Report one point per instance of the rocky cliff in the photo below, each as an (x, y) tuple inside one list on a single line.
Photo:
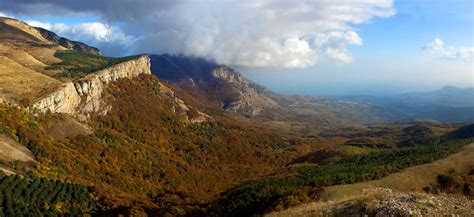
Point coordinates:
[(219, 83), (83, 97), (181, 108), (249, 98)]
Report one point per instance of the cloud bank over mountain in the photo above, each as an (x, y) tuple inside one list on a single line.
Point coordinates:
[(109, 38), (260, 33)]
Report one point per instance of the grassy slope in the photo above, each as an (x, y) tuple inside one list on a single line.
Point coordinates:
[(23, 55), (21, 84), (410, 179)]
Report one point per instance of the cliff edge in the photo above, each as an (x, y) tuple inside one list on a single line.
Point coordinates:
[(83, 97)]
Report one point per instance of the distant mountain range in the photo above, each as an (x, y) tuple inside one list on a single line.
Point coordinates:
[(448, 104), (226, 88), (229, 89)]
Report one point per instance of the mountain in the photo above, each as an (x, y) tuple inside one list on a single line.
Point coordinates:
[(218, 83), (123, 137), (449, 96), (24, 53), (448, 104), (226, 88), (75, 45)]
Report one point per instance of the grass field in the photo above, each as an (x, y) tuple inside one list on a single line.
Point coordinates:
[(22, 85)]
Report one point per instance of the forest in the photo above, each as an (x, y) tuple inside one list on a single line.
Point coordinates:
[(142, 157), (77, 64), (20, 196), (258, 197)]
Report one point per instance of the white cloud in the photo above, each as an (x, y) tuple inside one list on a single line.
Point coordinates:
[(262, 33), (335, 44), (292, 52), (92, 33), (259, 33), (438, 49), (2, 14), (35, 23), (436, 45)]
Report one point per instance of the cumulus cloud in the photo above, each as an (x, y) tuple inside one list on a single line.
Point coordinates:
[(94, 33), (438, 49), (335, 44), (259, 33)]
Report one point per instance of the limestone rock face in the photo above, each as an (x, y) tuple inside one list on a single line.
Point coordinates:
[(250, 98), (219, 83), (180, 107), (84, 96), (64, 100)]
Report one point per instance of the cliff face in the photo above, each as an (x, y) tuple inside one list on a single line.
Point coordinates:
[(249, 98), (219, 83), (84, 96), (181, 108)]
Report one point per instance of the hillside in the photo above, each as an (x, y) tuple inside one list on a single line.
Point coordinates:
[(90, 135), (357, 197), (74, 45), (23, 55), (223, 87), (219, 83)]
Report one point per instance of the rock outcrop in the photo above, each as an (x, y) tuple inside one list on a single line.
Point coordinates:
[(386, 202), (250, 98), (83, 97), (180, 107), (220, 83)]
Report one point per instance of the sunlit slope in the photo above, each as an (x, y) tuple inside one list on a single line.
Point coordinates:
[(24, 53), (20, 84)]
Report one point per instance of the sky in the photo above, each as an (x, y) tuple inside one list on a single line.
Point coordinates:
[(315, 47)]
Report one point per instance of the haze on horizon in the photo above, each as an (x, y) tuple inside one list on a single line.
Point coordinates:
[(301, 47)]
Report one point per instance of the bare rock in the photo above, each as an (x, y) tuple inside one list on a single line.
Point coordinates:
[(83, 97)]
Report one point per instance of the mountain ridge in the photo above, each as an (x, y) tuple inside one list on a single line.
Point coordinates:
[(74, 45)]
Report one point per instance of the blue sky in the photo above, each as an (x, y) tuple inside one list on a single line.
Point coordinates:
[(392, 59), (310, 47)]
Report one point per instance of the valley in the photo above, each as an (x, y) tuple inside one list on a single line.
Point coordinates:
[(174, 135)]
